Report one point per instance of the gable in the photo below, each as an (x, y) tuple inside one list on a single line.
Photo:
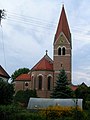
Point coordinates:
[(46, 63), (61, 40), (3, 73)]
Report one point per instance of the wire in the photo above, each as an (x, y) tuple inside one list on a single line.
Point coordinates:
[(31, 18), (3, 48), (31, 23), (77, 29), (37, 30), (39, 23), (36, 22)]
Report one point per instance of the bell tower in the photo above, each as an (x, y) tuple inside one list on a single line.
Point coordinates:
[(62, 47)]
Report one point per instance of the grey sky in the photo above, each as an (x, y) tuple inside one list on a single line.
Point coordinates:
[(29, 30)]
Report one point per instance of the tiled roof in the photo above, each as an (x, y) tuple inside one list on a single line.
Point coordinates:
[(3, 73), (45, 63), (63, 26), (74, 87), (24, 77)]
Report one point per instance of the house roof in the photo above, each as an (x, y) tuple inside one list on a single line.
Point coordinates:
[(46, 63), (63, 26), (74, 87), (24, 77), (84, 85), (3, 73)]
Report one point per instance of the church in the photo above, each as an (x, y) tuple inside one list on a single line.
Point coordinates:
[(43, 75)]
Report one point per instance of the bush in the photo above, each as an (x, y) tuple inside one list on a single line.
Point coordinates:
[(58, 113), (87, 105), (6, 93), (7, 112), (22, 97), (12, 112)]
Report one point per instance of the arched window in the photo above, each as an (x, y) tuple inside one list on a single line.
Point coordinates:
[(49, 83), (34, 82), (40, 82), (63, 51), (59, 51), (26, 84)]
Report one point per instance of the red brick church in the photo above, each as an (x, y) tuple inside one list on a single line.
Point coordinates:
[(43, 75)]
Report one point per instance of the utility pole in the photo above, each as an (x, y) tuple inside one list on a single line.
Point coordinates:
[(2, 15)]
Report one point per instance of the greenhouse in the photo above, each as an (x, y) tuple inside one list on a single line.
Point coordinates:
[(46, 102)]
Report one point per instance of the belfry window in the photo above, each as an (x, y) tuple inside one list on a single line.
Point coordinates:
[(63, 51), (49, 83), (59, 51), (40, 82)]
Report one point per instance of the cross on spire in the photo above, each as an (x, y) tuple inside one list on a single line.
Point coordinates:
[(46, 52)]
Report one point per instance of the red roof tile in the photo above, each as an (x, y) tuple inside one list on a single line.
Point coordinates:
[(63, 26), (45, 63), (74, 87), (24, 77), (3, 73)]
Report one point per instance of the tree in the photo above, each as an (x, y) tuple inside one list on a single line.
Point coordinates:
[(23, 97), (62, 90), (6, 93), (19, 72), (88, 94), (82, 92)]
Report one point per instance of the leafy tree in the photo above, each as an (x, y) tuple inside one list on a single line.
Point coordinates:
[(23, 96), (62, 90), (19, 72), (88, 94), (83, 93), (6, 93)]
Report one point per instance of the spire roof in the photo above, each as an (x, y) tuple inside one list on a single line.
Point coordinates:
[(63, 26)]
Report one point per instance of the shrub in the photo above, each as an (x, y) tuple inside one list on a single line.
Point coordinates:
[(58, 112), (7, 112), (87, 105), (22, 97), (6, 93), (12, 112)]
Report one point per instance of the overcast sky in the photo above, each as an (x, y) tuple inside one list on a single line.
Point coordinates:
[(29, 29)]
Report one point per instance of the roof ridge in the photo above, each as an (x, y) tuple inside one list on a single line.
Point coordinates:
[(63, 26), (24, 76), (42, 63), (3, 72), (46, 56)]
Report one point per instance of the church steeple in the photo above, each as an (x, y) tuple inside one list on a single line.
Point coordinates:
[(63, 26), (62, 53)]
